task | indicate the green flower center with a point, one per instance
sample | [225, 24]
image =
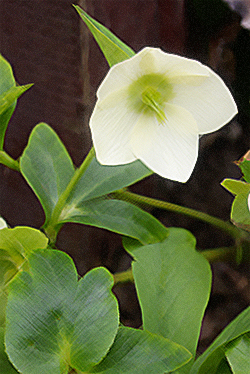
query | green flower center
[149, 93]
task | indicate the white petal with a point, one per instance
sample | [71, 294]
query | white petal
[149, 61]
[169, 149]
[111, 124]
[3, 224]
[210, 102]
[169, 64]
[120, 76]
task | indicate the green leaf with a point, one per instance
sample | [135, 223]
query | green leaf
[99, 180]
[240, 214]
[118, 216]
[15, 247]
[7, 81]
[54, 322]
[9, 92]
[5, 365]
[245, 168]
[9, 97]
[224, 367]
[173, 284]
[238, 355]
[140, 352]
[236, 187]
[46, 166]
[210, 360]
[113, 48]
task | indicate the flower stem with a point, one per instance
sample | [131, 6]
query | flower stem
[228, 254]
[143, 200]
[8, 161]
[123, 277]
[51, 229]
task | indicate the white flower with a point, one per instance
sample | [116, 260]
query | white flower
[153, 107]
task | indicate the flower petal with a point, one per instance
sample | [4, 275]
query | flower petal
[147, 61]
[171, 65]
[210, 102]
[111, 124]
[120, 76]
[169, 149]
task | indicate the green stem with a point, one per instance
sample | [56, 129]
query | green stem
[123, 277]
[8, 161]
[51, 229]
[228, 254]
[143, 200]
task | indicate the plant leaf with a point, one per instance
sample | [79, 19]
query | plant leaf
[236, 187]
[46, 166]
[113, 48]
[240, 214]
[5, 365]
[224, 367]
[118, 216]
[9, 97]
[54, 322]
[9, 92]
[210, 360]
[99, 180]
[15, 247]
[173, 284]
[140, 352]
[238, 355]
[245, 168]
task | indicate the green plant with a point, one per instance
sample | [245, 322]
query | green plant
[53, 322]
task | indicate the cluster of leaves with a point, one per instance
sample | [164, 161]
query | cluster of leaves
[53, 322]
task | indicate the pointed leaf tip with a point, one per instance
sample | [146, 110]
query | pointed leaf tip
[112, 47]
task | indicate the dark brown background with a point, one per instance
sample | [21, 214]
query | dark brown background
[47, 44]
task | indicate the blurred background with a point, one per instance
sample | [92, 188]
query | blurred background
[47, 44]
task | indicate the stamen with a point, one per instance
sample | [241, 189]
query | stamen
[152, 98]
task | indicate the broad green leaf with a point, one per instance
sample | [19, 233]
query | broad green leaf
[236, 187]
[99, 180]
[140, 352]
[240, 214]
[46, 166]
[238, 355]
[5, 365]
[7, 81]
[118, 216]
[173, 284]
[9, 92]
[16, 245]
[53, 321]
[7, 271]
[224, 367]
[9, 97]
[210, 360]
[113, 48]
[245, 168]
